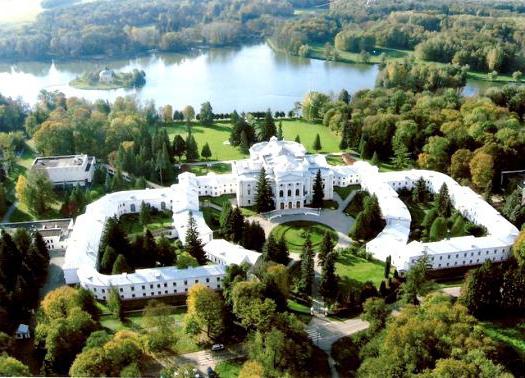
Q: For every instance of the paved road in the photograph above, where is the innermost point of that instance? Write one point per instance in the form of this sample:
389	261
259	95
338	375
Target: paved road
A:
204	358
55	275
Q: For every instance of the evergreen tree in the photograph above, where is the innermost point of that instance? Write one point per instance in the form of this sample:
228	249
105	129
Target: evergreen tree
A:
166	254
149	249
114	304
267	127
328	287
3	202
245	142
283	255
206	114
438	231
192	149
420	191
343	144
193	244
237	225
327	246
253	237
120	265
145	214
206	151
270	249
442	202
263	199
297	139
280	131
307	268
344	96
163	165
388	265
225	220
318	191
179	146
317	143
375	159
108	259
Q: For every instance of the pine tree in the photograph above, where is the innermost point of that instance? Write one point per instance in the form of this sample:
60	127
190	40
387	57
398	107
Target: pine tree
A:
280	131
388	265
163	165
375	159
225	220
297	139
317	143
120	265
193	244
263	197
145	214
237	225
442	202
108	259
253	236
328	285
206	151
401	157
420	191
270	249
318	191
283	254
267	128
149	249
114	303
166	254
244	143
192	149
344	96
307	268
327	246
179	146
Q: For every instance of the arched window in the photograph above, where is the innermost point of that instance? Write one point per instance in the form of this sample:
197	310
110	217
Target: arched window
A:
163	205
296	192
281	193
133	208
298	204
289	192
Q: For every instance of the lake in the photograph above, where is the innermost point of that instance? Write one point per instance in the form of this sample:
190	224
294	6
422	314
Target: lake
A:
250	78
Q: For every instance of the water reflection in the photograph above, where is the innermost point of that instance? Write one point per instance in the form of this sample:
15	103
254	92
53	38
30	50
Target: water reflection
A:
246	78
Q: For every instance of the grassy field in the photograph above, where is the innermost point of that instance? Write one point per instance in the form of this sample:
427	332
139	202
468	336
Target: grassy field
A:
359	269
229	369
219	201
201	170
344	192
295	233
183	342
513	335
334	160
217	136
131	225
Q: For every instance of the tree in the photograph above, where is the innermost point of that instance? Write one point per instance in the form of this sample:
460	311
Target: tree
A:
439	230
3	203
482	170
205	312
318	191
417	283
460	164
189	113
517	75
206	114
120	265
267	128
179	146
144	214
114	304
249	304
37	193
280	131
388	265
317	143
11	367
270	249
193	244
206	151
375	312
263	194
518	249
297	139
344	96
108	259
20	188
192	149
251	369
163	164
158	324
327	246
313	104
442	202
307	268
329	284
167	113
375	159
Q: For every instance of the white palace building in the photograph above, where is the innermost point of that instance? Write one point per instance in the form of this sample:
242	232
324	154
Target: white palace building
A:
291	173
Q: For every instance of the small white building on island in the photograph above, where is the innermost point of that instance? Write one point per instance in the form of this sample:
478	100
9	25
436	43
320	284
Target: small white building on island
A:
106	76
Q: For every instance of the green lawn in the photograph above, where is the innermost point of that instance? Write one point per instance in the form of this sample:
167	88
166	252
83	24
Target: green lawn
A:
228	369
356	205
359	269
334	160
344	192
211	217
219	201
218	134
183	342
513	335
131	225
295	233
201	170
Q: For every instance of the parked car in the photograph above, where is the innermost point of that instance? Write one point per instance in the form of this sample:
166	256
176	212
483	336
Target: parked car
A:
217	347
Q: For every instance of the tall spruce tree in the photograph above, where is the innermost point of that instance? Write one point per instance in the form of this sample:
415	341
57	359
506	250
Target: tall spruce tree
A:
193	244
327	246
225	220
270	249
307	268
317	143
280	131
388	265
206	151
237	225
192	149
442	202
328	285
179	146
420	191
297	139
283	254
318	191
267	128
263	195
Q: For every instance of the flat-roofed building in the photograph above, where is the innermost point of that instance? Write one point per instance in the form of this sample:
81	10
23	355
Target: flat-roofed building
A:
55	232
68	170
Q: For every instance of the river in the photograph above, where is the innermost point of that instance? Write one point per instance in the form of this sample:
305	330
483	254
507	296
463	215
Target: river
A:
250	78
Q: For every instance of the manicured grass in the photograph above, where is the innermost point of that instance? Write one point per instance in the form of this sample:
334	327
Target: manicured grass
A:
344	192
349	57
219	201
131	224
218	134
359	269
334	160
248	211
300	310
294	234
211	216
229	369
513	335
183	342
201	170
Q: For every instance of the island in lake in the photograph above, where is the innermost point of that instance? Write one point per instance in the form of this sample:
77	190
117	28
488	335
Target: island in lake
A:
109	79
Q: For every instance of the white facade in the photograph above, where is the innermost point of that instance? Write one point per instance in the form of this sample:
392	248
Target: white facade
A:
106	76
54	232
69	170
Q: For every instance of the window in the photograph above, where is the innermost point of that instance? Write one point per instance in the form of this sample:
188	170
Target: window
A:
196	281
151	286
207	280
174	284
143	287
103	290
165	285
185	282
132	288
289	192
158	286
281	193
121	290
